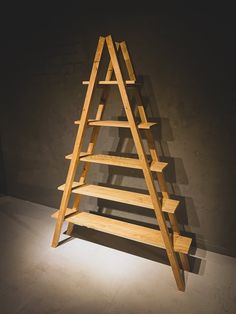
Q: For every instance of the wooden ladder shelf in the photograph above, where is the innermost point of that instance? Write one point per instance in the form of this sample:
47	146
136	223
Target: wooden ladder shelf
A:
172	241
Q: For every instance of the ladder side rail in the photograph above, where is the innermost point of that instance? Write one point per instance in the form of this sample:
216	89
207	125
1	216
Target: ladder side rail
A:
78	142
147	173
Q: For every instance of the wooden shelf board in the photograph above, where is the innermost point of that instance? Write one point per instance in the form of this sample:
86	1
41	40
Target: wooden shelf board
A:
127	82
127	230
121	196
113	160
118	161
117	123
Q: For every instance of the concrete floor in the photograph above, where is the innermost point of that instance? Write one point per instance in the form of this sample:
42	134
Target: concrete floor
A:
99	276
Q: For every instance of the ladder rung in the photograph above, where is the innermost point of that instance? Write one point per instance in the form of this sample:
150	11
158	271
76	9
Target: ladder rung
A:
119	124
119	161
127	82
127	230
121	196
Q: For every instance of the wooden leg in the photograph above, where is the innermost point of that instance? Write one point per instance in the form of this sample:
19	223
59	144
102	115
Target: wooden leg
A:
93	138
78	144
152	147
146	170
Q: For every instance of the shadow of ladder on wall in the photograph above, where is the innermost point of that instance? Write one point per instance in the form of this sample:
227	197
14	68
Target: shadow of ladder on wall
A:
172	242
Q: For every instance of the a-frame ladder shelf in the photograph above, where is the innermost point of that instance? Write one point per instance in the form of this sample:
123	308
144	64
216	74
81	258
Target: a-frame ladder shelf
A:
126	230
167	235
118	161
121	196
118	124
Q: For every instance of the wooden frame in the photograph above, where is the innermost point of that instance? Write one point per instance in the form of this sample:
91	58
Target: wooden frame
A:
173	243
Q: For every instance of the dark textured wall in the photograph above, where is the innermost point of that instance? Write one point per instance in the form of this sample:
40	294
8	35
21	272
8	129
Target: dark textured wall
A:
3	186
186	59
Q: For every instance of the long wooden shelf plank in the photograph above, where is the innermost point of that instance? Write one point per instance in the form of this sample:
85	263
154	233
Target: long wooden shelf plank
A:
117	123
118	161
129	231
121	196
127	82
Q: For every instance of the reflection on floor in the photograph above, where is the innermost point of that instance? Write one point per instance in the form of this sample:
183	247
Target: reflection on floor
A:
94	273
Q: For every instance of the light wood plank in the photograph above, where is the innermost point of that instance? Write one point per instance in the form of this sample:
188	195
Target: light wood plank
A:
146	171
128	62
122	196
69	211
74	185
116	195
82	154
153	151
169	205
120	124
128	82
158	166
113	160
127	230
118	161
78	142
93	139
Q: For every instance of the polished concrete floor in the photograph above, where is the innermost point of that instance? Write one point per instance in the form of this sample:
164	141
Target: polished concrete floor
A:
97	273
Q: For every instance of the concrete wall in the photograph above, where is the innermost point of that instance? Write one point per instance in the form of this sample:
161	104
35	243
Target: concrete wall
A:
3	187
186	60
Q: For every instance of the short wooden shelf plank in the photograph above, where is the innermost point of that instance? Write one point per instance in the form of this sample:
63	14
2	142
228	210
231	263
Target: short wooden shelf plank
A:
117	123
82	154
127	82
158	166
127	230
74	185
169	205
69	211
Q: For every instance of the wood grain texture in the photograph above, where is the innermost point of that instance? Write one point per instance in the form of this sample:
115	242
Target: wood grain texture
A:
78	142
122	196
82	154
74	185
93	139
152	147
118	124
68	212
118	161
128	231
146	171
127	82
